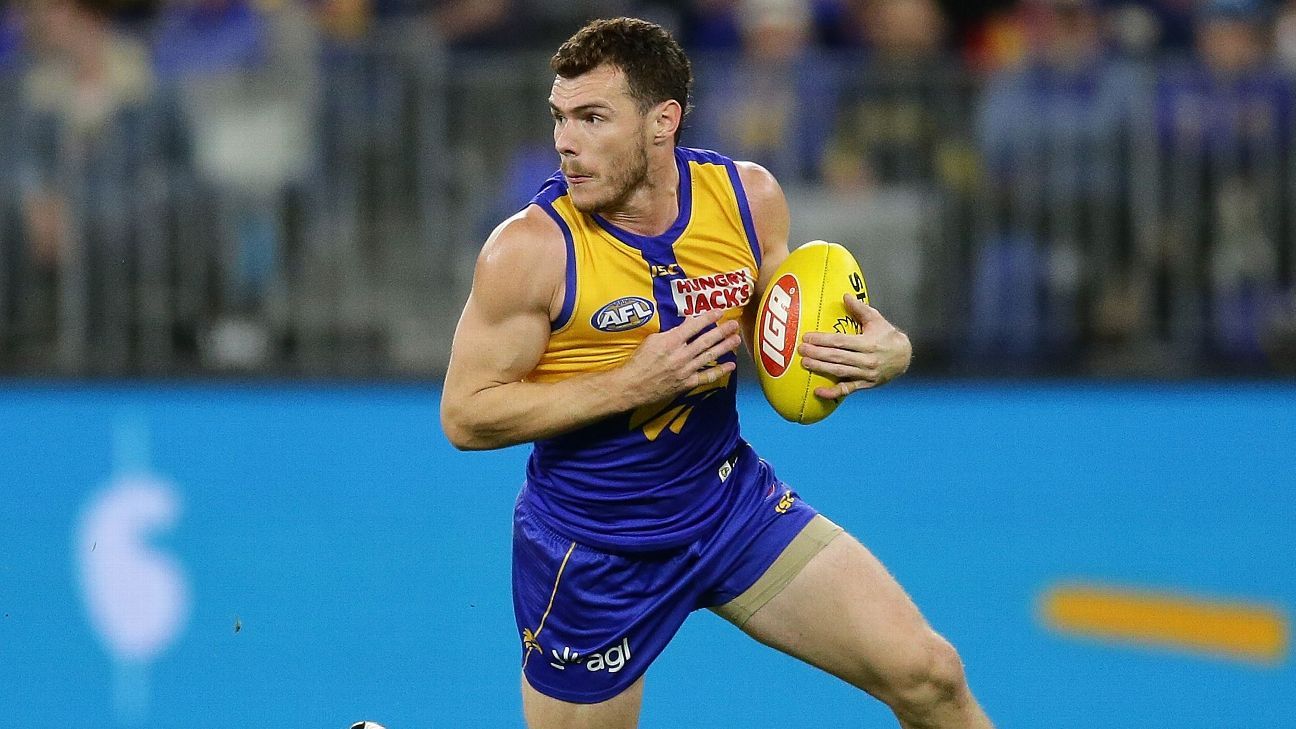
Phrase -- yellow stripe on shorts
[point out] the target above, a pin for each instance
(552, 595)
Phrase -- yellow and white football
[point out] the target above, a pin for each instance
(804, 295)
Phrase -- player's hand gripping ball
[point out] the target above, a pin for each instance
(804, 295)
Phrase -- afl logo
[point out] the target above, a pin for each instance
(779, 321)
(623, 314)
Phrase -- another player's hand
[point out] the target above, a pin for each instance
(680, 359)
(875, 356)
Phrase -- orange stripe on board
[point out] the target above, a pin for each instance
(1244, 631)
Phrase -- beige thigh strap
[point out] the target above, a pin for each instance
(803, 547)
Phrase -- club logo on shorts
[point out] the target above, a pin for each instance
(785, 503)
(529, 641)
(624, 314)
(611, 660)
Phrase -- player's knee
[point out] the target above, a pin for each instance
(931, 678)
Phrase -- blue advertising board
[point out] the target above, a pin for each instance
(191, 555)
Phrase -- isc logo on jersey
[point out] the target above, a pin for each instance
(778, 324)
(623, 314)
(729, 290)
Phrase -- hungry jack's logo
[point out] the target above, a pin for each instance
(700, 294)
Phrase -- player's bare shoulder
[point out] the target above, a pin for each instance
(770, 217)
(523, 260)
(764, 194)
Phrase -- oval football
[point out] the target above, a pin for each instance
(805, 295)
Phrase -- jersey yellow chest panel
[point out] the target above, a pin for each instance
(623, 288)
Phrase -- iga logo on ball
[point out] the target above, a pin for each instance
(779, 318)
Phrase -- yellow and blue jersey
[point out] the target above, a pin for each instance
(650, 478)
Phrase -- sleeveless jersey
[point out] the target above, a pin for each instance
(650, 478)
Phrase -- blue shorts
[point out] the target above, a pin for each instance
(591, 622)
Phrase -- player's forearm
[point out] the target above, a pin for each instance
(521, 412)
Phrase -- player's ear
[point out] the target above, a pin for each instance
(666, 119)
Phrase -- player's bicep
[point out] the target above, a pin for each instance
(494, 345)
(504, 328)
(772, 220)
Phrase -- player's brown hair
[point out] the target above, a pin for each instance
(655, 66)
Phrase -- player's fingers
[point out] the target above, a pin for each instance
(691, 325)
(859, 310)
(710, 375)
(840, 341)
(716, 351)
(836, 354)
(710, 338)
(833, 393)
(842, 389)
(832, 369)
(829, 393)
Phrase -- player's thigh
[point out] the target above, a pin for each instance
(844, 613)
(545, 712)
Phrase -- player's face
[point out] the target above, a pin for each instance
(601, 138)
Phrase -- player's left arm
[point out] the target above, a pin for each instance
(875, 356)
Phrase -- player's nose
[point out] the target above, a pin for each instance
(564, 141)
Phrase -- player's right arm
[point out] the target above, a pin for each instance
(487, 402)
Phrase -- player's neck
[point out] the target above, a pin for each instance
(653, 206)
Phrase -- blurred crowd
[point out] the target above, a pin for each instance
(1102, 182)
(988, 35)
